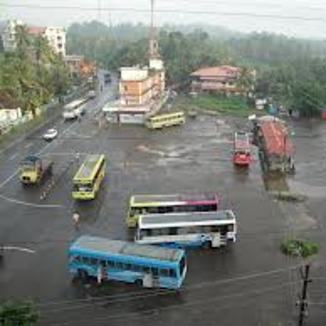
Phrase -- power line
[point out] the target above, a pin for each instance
(141, 294)
(168, 11)
(140, 314)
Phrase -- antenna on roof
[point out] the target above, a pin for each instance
(153, 46)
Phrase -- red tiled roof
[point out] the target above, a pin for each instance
(220, 71)
(36, 30)
(276, 138)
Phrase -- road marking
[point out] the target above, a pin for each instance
(30, 251)
(38, 153)
(9, 178)
(28, 145)
(13, 156)
(24, 203)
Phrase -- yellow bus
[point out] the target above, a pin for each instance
(140, 205)
(165, 120)
(88, 178)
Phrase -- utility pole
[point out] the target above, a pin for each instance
(303, 305)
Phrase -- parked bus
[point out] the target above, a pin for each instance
(149, 266)
(162, 204)
(74, 109)
(88, 178)
(242, 150)
(165, 120)
(208, 229)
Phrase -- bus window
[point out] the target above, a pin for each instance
(182, 265)
(215, 228)
(93, 261)
(164, 209)
(136, 268)
(181, 231)
(103, 262)
(151, 210)
(85, 260)
(138, 211)
(156, 232)
(164, 272)
(155, 271)
(172, 273)
(118, 265)
(110, 263)
(172, 231)
(230, 228)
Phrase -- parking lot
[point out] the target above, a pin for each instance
(247, 283)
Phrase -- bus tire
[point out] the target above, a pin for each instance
(82, 275)
(139, 282)
(207, 245)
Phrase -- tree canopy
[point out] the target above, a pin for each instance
(18, 314)
(289, 70)
(33, 73)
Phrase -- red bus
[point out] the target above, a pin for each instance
(242, 151)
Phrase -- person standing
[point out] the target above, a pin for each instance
(76, 220)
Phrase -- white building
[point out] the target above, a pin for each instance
(8, 34)
(56, 36)
(57, 39)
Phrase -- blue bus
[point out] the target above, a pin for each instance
(148, 266)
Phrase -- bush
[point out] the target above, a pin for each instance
(303, 248)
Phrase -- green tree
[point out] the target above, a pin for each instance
(18, 314)
(22, 41)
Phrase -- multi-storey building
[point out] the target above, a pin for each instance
(139, 86)
(56, 36)
(8, 35)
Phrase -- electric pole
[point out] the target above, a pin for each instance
(303, 304)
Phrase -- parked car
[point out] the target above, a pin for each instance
(91, 94)
(50, 134)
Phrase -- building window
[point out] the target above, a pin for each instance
(125, 88)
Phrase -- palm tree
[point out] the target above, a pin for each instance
(246, 81)
(43, 52)
(22, 41)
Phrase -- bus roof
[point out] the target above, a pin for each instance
(117, 247)
(166, 115)
(74, 103)
(89, 167)
(170, 200)
(185, 219)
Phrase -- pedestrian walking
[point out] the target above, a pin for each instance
(76, 220)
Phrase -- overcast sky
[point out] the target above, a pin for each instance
(303, 18)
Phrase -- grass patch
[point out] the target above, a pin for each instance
(234, 106)
(299, 248)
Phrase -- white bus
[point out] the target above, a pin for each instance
(207, 229)
(74, 109)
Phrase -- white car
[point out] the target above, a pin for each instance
(91, 94)
(50, 134)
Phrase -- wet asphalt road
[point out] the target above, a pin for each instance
(248, 283)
